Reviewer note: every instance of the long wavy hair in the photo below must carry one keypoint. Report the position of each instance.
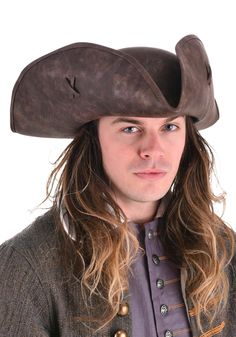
(194, 237)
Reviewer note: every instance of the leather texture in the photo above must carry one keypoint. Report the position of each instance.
(59, 92)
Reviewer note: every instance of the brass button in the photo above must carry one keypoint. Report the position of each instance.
(123, 309)
(121, 333)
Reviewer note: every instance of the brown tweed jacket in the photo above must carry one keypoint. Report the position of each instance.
(39, 299)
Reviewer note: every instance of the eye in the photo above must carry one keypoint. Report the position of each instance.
(131, 129)
(170, 127)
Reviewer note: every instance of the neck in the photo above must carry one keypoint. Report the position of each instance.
(139, 212)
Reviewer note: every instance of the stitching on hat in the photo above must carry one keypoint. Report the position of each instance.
(209, 73)
(73, 85)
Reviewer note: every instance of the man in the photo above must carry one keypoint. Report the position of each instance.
(131, 245)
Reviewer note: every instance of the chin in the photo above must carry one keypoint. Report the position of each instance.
(149, 197)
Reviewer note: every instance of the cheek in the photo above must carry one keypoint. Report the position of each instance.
(115, 157)
(109, 154)
(116, 161)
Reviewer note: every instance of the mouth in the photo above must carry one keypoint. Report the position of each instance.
(151, 174)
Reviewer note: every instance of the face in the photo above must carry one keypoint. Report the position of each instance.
(141, 156)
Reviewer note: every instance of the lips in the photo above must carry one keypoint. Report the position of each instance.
(151, 174)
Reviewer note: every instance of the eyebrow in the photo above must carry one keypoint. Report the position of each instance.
(138, 122)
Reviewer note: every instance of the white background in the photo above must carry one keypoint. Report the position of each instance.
(29, 29)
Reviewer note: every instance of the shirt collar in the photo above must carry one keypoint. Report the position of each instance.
(163, 205)
(71, 231)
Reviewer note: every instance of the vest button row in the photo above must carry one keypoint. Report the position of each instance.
(121, 333)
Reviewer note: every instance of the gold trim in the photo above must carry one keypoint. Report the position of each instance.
(214, 331)
(162, 258)
(181, 331)
(174, 280)
(193, 312)
(176, 306)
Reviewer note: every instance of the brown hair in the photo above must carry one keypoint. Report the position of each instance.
(194, 236)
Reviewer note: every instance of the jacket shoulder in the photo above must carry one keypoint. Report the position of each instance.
(24, 286)
(36, 239)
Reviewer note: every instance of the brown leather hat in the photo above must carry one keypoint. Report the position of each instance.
(61, 91)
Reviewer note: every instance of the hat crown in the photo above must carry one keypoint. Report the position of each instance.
(163, 67)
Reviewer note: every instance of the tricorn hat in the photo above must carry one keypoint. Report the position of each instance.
(59, 92)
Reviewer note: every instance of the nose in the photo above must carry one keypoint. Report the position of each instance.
(151, 146)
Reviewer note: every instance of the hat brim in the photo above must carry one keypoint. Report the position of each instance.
(59, 92)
